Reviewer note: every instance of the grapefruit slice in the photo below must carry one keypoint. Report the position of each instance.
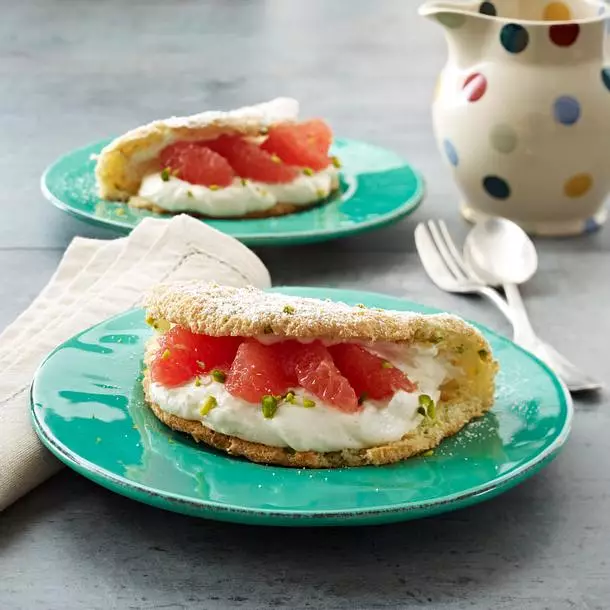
(183, 355)
(197, 164)
(293, 145)
(173, 367)
(316, 134)
(248, 160)
(311, 367)
(256, 372)
(369, 375)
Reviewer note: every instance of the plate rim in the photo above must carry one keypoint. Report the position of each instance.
(406, 208)
(456, 500)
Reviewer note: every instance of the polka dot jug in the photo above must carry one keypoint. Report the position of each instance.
(522, 110)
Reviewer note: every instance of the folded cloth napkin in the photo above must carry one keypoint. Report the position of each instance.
(97, 279)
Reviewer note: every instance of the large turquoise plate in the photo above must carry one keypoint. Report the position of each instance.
(378, 188)
(88, 409)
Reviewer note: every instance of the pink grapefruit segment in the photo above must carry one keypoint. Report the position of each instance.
(183, 355)
(296, 144)
(311, 367)
(256, 372)
(369, 375)
(249, 160)
(197, 164)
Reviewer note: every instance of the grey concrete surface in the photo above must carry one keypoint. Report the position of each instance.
(75, 71)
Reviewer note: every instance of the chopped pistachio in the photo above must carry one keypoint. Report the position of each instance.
(428, 453)
(387, 365)
(166, 174)
(166, 354)
(197, 382)
(275, 159)
(308, 171)
(336, 162)
(289, 309)
(362, 398)
(263, 131)
(218, 375)
(150, 320)
(427, 404)
(361, 305)
(321, 193)
(208, 404)
(120, 212)
(213, 187)
(268, 330)
(290, 398)
(269, 404)
(189, 194)
(308, 403)
(244, 182)
(483, 353)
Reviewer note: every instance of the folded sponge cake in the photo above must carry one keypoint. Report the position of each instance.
(309, 383)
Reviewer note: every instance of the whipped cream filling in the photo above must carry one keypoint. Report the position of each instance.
(239, 198)
(323, 427)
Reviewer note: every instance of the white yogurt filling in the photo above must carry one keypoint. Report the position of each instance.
(321, 428)
(238, 199)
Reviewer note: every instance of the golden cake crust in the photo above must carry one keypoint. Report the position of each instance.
(216, 310)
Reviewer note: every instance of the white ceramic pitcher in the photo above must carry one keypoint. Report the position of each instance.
(522, 110)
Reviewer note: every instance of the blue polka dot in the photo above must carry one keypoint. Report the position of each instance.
(496, 187)
(591, 225)
(514, 38)
(566, 110)
(451, 153)
(488, 8)
(606, 77)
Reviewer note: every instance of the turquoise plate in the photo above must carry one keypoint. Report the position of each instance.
(88, 409)
(378, 188)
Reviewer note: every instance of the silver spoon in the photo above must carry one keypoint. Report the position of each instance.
(502, 254)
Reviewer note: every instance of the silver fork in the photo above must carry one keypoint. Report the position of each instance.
(447, 269)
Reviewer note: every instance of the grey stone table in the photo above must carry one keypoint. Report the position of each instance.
(73, 72)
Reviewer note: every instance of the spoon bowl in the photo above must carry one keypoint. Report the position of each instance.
(500, 252)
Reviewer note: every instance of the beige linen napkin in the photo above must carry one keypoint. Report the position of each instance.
(97, 279)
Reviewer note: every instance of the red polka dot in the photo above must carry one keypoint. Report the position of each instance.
(564, 35)
(475, 87)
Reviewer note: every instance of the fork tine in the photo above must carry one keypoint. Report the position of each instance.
(444, 251)
(431, 259)
(455, 253)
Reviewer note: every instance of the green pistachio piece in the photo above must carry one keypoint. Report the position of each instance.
(269, 404)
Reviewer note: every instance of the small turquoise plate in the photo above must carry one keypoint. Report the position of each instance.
(378, 188)
(88, 409)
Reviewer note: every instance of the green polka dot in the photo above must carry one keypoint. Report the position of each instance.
(503, 138)
(451, 20)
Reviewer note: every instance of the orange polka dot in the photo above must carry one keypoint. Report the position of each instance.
(578, 185)
(557, 11)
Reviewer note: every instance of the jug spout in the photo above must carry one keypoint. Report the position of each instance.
(466, 28)
(451, 15)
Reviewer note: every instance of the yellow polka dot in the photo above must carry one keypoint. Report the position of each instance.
(557, 11)
(578, 185)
